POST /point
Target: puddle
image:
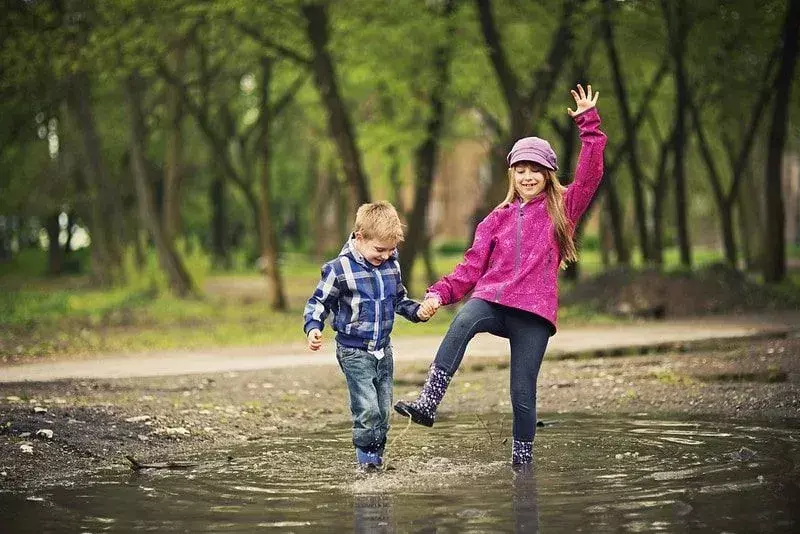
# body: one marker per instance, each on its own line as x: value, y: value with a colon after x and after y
x: 632, y: 474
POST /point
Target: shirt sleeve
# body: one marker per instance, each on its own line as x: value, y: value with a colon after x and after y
x: 452, y: 287
x: 589, y: 171
x: 403, y: 305
x: 322, y: 301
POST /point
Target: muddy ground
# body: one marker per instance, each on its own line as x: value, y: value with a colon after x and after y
x: 95, y: 423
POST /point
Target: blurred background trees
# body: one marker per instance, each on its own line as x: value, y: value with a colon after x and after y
x: 247, y: 132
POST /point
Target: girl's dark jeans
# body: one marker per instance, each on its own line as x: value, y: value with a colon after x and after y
x: 528, y: 335
x: 369, y: 384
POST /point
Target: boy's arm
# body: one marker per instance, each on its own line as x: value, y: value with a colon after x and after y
x: 404, y: 305
x: 322, y: 301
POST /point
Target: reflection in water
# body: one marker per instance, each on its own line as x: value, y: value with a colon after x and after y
x: 524, y: 506
x: 592, y: 474
x: 372, y: 513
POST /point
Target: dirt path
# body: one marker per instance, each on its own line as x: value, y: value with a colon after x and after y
x: 575, y: 340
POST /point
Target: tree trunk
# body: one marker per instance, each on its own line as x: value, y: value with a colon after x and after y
x: 774, y: 238
x: 637, y: 176
x: 659, y: 196
x: 324, y: 196
x: 345, y: 214
x: 173, y: 157
x: 751, y: 226
x: 605, y: 240
x: 106, y: 211
x: 678, y: 31
x: 615, y: 218
x: 338, y: 119
x: 180, y: 282
x: 55, y: 254
x: 724, y: 206
x: 394, y: 179
x: 219, y: 224
x: 427, y: 153
x: 5, y: 239
x: 269, y: 239
x: 427, y: 256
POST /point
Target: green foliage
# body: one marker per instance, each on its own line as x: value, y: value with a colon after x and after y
x: 452, y: 247
x: 149, y: 277
x: 384, y: 59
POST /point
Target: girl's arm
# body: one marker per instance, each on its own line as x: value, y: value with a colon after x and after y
x: 589, y: 171
x: 452, y: 287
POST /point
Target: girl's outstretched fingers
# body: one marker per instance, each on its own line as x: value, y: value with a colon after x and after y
x: 584, y: 100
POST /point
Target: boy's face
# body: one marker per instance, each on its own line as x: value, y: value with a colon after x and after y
x: 375, y: 251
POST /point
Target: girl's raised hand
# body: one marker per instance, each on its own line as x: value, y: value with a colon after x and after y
x: 584, y: 100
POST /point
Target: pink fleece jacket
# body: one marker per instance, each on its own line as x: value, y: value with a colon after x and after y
x: 514, y: 259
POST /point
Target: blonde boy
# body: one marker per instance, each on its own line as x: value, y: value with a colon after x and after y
x: 363, y: 288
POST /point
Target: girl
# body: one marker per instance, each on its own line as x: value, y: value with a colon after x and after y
x: 512, y: 271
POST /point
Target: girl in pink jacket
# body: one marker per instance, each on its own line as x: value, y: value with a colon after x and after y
x: 512, y: 271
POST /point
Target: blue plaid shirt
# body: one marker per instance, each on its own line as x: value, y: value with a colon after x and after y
x: 363, y: 298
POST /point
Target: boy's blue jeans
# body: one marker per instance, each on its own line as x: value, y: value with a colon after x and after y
x: 369, y: 383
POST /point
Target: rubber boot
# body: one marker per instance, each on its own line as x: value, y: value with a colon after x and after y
x: 423, y: 410
x: 521, y: 453
x: 368, y: 459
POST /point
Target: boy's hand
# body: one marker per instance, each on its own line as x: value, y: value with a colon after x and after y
x: 584, y: 100
x: 314, y: 339
x: 428, y: 308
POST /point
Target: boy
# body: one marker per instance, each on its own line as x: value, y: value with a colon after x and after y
x: 363, y: 288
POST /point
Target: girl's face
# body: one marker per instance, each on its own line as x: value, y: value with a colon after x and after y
x: 529, y: 179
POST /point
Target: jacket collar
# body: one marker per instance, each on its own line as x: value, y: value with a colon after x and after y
x: 535, y: 200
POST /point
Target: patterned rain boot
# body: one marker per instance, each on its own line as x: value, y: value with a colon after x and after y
x: 521, y: 453
x: 423, y: 410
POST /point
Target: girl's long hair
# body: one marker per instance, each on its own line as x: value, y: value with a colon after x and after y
x: 564, y: 229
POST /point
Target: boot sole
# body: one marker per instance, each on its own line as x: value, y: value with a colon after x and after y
x: 407, y: 411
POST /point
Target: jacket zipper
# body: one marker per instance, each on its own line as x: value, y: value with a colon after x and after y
x: 517, y: 252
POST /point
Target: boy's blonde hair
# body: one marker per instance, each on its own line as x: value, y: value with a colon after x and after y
x: 379, y: 220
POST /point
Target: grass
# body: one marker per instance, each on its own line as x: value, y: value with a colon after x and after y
x: 42, y: 316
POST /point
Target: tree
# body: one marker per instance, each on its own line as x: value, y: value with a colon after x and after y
x: 179, y: 280
x: 676, y: 16
x: 426, y: 153
x: 775, y: 249
x: 634, y: 163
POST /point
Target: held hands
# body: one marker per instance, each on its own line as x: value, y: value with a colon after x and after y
x: 314, y: 339
x: 427, y: 308
x: 584, y: 100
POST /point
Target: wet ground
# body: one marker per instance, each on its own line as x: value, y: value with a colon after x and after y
x: 630, y: 473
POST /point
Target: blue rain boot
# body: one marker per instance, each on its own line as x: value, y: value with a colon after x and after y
x: 423, y: 410
x: 521, y: 453
x: 368, y: 458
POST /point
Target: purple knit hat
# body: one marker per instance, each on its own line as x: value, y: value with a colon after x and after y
x: 533, y: 149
